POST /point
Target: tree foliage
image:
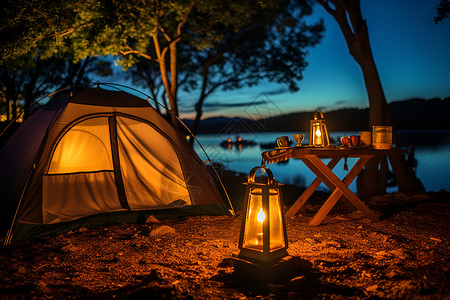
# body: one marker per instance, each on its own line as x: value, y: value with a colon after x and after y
x: 145, y: 73
x: 28, y: 78
x: 271, y: 48
x: 130, y: 29
x: 442, y: 11
x: 133, y: 30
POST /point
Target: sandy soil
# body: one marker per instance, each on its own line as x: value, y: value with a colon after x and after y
x: 405, y: 256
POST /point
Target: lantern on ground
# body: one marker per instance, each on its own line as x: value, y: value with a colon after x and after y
x: 263, y: 237
x: 318, y: 134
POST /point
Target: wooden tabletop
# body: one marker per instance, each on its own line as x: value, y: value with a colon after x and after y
x: 299, y: 152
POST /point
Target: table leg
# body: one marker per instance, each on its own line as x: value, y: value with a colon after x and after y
x: 309, y: 190
x: 337, y: 193
x: 333, y: 182
x: 325, y: 180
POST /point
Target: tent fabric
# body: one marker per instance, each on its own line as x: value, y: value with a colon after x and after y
x: 100, y: 152
x: 23, y: 231
x: 85, y: 148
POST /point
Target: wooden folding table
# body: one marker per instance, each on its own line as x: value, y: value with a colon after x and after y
x: 312, y: 158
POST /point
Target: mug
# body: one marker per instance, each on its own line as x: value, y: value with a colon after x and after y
x: 355, y: 141
x: 283, y: 141
x: 366, y: 138
x: 346, y: 142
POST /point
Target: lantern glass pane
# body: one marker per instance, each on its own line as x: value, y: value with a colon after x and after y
x: 276, y: 221
x: 253, y: 230
x: 255, y: 218
x: 317, y: 134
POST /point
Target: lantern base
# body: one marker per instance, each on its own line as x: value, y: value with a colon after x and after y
x: 274, y: 271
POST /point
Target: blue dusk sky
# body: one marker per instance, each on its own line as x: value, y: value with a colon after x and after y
x: 412, y: 54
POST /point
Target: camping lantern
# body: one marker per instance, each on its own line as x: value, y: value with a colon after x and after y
x: 318, y: 134
x: 263, y: 235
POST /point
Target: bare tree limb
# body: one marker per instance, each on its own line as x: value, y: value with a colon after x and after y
x: 132, y: 51
x: 164, y: 33
x: 69, y: 31
x: 327, y: 6
x: 340, y: 15
x: 186, y: 15
x: 45, y: 16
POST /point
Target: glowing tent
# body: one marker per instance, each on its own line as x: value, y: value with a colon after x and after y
x: 97, y: 156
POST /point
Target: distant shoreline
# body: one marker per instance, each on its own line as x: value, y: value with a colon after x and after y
x: 412, y: 114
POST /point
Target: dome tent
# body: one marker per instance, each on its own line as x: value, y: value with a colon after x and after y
x: 97, y: 156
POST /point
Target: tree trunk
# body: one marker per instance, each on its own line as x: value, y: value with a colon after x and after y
x: 372, y: 179
x: 198, y: 117
x: 11, y: 97
x: 8, y: 110
x: 199, y: 104
x: 169, y: 86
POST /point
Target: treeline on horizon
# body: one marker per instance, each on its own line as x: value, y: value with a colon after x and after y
x: 411, y: 114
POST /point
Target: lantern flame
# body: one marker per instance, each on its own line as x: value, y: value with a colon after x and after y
x: 261, y: 216
x: 318, y: 133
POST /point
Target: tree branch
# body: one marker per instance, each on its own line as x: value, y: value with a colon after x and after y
x: 166, y: 36
x: 326, y: 6
x: 45, y: 16
x: 353, y: 9
x: 340, y: 15
x: 69, y: 31
x: 162, y: 64
x: 132, y: 51
x: 186, y: 15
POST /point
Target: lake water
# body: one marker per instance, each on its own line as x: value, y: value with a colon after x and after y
x: 432, y: 152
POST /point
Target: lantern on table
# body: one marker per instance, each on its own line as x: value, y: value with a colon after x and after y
x: 318, y: 134
x: 263, y: 235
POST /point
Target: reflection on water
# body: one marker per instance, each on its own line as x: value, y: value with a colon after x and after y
x: 426, y: 139
x: 432, y: 152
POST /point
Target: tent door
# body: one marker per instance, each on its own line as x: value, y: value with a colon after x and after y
x: 80, y: 179
x: 150, y: 167
x: 111, y: 163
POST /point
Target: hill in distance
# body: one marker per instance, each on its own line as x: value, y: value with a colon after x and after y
x: 411, y: 114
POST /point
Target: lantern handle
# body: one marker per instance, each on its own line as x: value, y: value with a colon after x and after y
x: 251, y: 175
x: 318, y: 115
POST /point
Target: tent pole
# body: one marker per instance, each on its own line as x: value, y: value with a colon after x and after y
x: 9, y: 234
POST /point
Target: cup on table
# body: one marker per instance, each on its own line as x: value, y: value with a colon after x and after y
x: 345, y: 141
x: 355, y: 139
x: 299, y: 138
x: 365, y: 139
x: 382, y: 137
x: 283, y: 141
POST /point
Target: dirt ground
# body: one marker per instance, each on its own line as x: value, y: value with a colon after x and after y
x: 405, y: 256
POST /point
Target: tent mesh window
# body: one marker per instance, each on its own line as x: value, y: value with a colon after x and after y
x: 86, y: 147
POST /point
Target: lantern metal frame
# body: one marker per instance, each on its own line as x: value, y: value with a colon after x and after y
x: 318, y: 124
x: 263, y: 189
